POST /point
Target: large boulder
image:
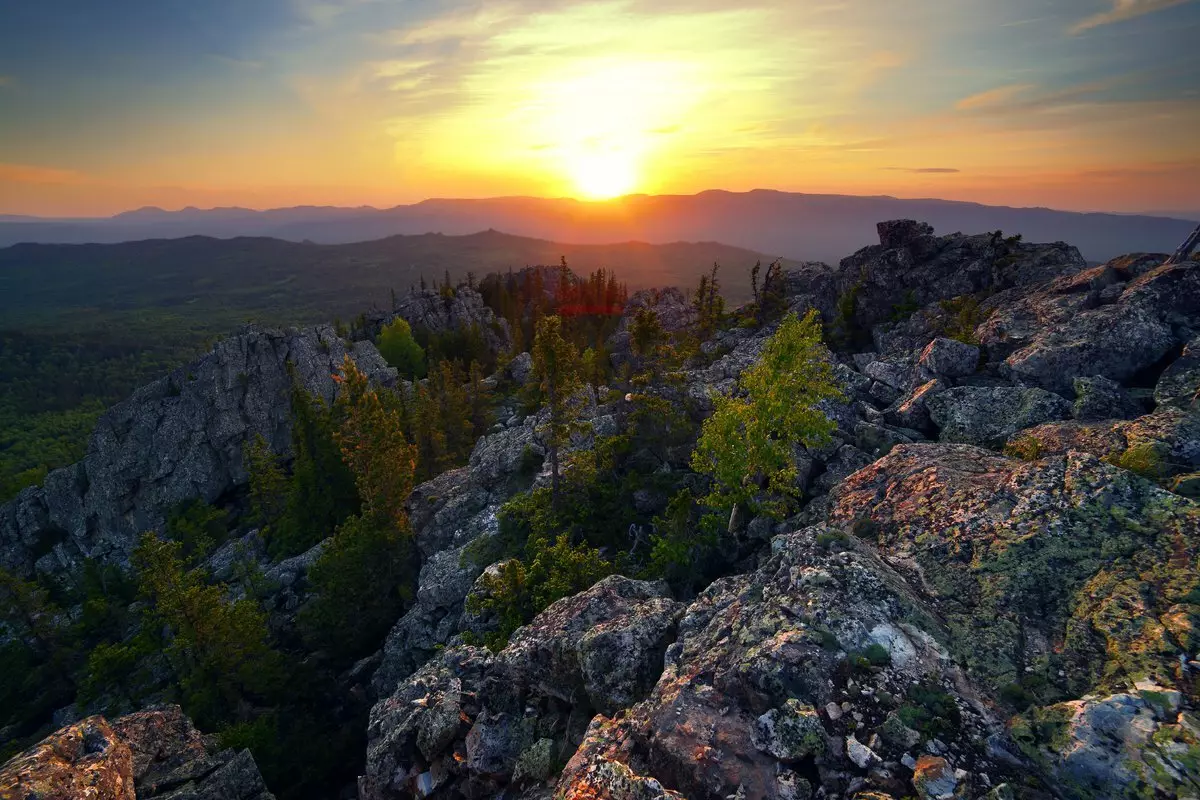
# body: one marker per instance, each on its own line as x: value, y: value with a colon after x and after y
x: 156, y: 753
x: 1082, y: 326
x: 469, y: 721
x: 1179, y: 384
x: 989, y: 415
x: 178, y: 438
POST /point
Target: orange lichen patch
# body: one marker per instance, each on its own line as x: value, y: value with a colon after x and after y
x: 84, y: 760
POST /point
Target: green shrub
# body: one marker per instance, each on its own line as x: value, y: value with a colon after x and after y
x: 400, y: 350
x: 962, y: 316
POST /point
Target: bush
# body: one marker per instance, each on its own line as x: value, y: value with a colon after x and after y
x: 399, y: 349
x: 963, y: 316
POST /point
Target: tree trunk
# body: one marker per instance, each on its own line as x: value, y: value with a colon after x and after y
x: 1185, y: 250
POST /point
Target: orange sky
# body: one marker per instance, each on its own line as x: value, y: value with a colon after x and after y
x: 1080, y: 104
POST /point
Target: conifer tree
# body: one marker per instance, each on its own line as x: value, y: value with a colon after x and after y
x: 219, y: 649
x: 268, y: 484
x: 555, y: 373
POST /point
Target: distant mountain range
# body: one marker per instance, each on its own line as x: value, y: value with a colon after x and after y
x: 796, y: 226
x: 217, y: 283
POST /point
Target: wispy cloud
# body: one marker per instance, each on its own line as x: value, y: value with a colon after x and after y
x: 28, y: 173
x: 1124, y: 10
x: 999, y: 96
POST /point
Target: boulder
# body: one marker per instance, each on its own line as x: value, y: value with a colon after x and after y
x: 988, y: 416
x: 1179, y: 384
x: 949, y: 358
x: 156, y: 753
x: 436, y: 312
x: 471, y: 721
x: 1103, y: 398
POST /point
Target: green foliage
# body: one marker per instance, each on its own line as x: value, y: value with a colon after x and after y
x: 363, y: 577
x: 199, y: 527
x: 904, y: 309
x: 962, y: 316
x: 679, y: 545
x: 398, y: 347
x: 931, y: 711
x: 846, y: 332
x: 1025, y: 447
x: 218, y: 649
x: 709, y: 304
x: 1147, y: 459
x: 555, y: 376
x: 322, y: 493
x: 749, y: 439
x: 518, y: 590
x: 268, y: 484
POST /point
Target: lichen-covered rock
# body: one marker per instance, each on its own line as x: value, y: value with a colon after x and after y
x: 989, y: 415
x: 1067, y: 329
x: 436, y: 312
x: 178, y: 438
x: 913, y: 411
x: 86, y: 759
x: 1179, y: 385
x: 156, y: 753
x: 1169, y: 438
x: 949, y: 358
x: 467, y: 718
x: 934, y: 778
x: 1040, y: 569
x: 1130, y: 744
x: 1103, y: 398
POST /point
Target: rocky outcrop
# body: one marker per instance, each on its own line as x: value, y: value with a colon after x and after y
x: 437, y: 312
x: 471, y: 722
x: 1110, y: 321
x: 989, y: 415
x: 155, y: 753
x: 176, y: 439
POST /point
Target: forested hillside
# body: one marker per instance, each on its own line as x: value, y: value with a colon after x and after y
x: 82, y: 325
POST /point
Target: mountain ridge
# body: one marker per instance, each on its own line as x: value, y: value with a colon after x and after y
x: 798, y: 226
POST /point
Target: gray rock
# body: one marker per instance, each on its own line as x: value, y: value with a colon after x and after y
x: 913, y: 411
x: 988, y: 416
x: 178, y: 438
x: 1103, y: 398
x: 949, y: 358
x: 1179, y: 385
x: 520, y: 367
x: 430, y: 310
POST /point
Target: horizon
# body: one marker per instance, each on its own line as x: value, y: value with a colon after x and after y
x: 1078, y: 105
x: 1186, y: 214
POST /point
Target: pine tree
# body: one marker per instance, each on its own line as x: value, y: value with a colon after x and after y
x: 479, y: 398
x: 556, y: 374
x: 219, y: 649
x: 268, y: 484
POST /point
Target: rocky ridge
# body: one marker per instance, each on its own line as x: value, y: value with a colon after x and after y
x: 991, y: 592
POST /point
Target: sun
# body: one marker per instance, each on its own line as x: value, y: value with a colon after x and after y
x: 603, y: 176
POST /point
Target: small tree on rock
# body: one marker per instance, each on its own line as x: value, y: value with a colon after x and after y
x: 748, y: 440
x: 556, y: 375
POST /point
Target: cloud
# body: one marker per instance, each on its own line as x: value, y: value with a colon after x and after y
x: 999, y: 96
x: 28, y: 173
x: 926, y: 170
x: 1123, y: 10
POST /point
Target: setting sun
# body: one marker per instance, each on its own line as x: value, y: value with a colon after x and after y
x: 603, y: 176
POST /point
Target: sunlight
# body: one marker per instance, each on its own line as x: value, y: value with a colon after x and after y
x: 604, y: 120
x: 603, y: 176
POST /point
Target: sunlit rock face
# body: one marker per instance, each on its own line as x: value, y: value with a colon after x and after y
x: 155, y: 753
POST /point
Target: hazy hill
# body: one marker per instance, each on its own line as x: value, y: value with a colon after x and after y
x: 201, y: 277
x: 797, y: 226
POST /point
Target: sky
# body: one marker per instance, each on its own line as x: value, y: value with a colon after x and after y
x: 1076, y: 104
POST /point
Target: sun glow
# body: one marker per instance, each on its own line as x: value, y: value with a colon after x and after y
x: 603, y: 176
x: 606, y: 120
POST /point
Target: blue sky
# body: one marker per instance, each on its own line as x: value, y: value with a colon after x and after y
x: 1072, y: 103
